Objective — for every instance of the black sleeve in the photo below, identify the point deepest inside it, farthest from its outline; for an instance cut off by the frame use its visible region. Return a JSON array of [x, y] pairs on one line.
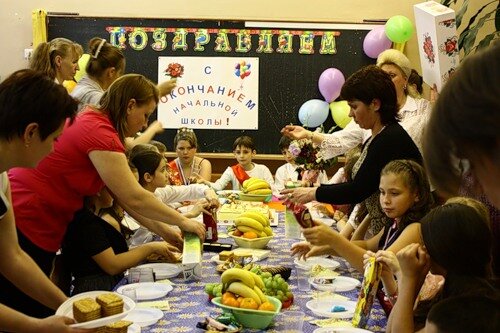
[[392, 143]]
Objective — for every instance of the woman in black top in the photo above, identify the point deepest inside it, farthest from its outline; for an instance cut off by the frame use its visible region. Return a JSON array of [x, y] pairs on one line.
[[372, 98]]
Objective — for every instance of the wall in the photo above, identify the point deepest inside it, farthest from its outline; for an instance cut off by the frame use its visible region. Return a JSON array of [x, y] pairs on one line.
[[15, 16]]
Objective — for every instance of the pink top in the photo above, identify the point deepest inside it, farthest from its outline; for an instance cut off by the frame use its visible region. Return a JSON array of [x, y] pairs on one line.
[[45, 198]]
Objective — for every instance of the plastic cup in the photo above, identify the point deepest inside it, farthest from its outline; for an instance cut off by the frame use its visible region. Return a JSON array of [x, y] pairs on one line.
[[130, 293], [134, 275], [303, 275], [292, 321], [146, 275]]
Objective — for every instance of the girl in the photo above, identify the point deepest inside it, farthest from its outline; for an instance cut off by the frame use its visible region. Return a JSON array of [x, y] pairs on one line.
[[404, 197], [58, 59], [153, 176], [95, 250], [187, 166], [456, 243]]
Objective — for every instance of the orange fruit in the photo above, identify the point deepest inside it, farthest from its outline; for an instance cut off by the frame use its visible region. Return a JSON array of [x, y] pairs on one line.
[[249, 303], [231, 302], [267, 306], [250, 235], [227, 296]]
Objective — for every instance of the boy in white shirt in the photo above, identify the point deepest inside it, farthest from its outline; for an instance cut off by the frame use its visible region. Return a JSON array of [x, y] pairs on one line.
[[244, 151], [287, 171]]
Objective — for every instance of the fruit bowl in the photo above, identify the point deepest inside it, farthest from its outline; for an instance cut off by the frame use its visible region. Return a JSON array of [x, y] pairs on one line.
[[258, 319], [256, 243], [255, 197]]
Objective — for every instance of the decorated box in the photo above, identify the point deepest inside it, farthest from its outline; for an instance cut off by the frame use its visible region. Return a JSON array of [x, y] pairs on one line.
[[192, 257], [367, 293], [437, 42]]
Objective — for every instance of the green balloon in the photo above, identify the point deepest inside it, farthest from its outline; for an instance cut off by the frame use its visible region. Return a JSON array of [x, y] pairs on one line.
[[340, 113], [82, 64], [399, 29]]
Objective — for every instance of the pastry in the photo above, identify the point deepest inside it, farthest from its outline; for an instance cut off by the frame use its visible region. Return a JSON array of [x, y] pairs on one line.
[[110, 304], [86, 309]]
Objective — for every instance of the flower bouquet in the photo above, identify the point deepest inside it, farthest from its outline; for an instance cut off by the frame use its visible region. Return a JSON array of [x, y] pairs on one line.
[[308, 155]]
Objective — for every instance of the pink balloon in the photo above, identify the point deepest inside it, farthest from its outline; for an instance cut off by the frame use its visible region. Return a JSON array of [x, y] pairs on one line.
[[330, 82], [376, 42]]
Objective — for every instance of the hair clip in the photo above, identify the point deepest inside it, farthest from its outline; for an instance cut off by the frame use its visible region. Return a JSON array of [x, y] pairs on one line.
[[185, 129], [99, 49]]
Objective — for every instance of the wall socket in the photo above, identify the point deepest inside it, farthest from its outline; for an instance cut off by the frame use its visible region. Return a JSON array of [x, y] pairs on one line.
[[27, 54]]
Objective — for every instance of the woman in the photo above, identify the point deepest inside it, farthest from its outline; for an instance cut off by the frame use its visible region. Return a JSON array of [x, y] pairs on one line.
[[464, 126], [187, 166], [372, 98], [58, 59], [106, 64], [413, 112], [89, 155], [33, 110]]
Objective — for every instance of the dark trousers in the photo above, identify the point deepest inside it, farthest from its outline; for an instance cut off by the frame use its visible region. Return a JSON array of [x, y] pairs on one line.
[[14, 298]]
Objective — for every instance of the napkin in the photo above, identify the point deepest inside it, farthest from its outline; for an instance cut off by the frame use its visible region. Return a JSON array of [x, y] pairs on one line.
[[162, 305]]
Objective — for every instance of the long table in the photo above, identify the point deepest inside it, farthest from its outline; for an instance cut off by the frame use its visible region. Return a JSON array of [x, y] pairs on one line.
[[189, 304]]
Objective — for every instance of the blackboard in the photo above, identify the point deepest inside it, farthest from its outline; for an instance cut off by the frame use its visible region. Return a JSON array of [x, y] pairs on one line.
[[286, 80]]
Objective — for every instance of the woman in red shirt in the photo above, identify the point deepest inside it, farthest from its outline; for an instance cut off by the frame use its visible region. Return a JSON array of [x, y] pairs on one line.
[[89, 155]]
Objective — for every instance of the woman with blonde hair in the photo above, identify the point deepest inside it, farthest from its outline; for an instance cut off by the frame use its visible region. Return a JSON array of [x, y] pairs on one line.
[[89, 155], [58, 59]]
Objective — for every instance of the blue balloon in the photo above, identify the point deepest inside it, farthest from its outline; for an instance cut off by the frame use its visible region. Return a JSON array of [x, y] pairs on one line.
[[313, 113], [248, 66], [237, 73]]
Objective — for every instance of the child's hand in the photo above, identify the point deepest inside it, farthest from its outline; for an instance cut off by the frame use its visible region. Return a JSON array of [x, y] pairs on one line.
[[390, 263], [199, 207], [156, 127], [320, 234], [300, 249], [414, 261], [166, 87]]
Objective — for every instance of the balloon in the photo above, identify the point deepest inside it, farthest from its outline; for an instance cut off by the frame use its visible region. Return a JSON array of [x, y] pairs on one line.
[[69, 85], [340, 113], [330, 82], [376, 42], [313, 113], [82, 64], [399, 29], [237, 72]]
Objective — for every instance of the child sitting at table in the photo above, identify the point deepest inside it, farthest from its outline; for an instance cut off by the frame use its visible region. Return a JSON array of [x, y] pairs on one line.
[[95, 250], [152, 169], [244, 151]]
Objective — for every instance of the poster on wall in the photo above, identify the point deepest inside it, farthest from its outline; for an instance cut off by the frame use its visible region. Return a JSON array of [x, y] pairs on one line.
[[211, 92]]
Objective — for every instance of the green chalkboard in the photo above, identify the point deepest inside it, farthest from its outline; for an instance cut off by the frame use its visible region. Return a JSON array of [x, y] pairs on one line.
[[286, 80]]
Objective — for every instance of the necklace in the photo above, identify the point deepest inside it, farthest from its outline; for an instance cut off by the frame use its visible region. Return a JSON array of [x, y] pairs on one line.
[[391, 234], [184, 179]]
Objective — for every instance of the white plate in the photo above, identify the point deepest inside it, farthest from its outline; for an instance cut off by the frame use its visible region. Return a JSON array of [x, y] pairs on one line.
[[215, 260], [340, 330], [148, 290], [340, 283], [315, 215], [66, 309], [134, 328], [144, 316], [322, 308], [324, 262], [163, 270]]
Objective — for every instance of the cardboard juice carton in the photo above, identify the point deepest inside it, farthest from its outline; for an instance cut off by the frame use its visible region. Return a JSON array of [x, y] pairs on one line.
[[192, 256], [437, 42], [367, 293]]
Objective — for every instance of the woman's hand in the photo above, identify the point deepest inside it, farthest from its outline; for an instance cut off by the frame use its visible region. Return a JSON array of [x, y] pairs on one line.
[[320, 234], [199, 207], [301, 195], [305, 250], [170, 235], [58, 324], [156, 127], [213, 198], [295, 132], [194, 227]]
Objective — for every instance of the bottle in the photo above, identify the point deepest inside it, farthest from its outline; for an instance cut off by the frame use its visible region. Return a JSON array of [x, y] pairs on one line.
[[210, 222]]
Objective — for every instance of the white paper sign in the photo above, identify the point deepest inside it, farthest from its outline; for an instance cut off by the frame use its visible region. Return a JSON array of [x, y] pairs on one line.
[[211, 92]]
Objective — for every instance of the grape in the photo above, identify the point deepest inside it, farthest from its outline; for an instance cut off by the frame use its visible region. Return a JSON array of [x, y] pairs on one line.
[[280, 293], [277, 277], [209, 287], [289, 294]]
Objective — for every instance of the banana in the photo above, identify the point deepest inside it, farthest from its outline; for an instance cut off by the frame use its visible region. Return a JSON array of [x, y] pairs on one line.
[[262, 234], [258, 281], [260, 184], [244, 229], [258, 291], [268, 231], [250, 181], [248, 222], [238, 274], [262, 191], [256, 215], [244, 291]]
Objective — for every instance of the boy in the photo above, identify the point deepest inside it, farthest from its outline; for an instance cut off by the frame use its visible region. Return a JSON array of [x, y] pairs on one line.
[[289, 170], [244, 151]]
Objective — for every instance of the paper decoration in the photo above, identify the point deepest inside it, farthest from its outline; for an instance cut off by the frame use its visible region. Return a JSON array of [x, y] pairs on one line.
[[201, 37], [138, 39], [285, 41], [179, 41], [306, 43], [222, 42], [160, 40], [265, 41], [243, 41]]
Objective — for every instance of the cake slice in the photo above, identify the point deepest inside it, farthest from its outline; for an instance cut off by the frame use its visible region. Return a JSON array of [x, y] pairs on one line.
[[86, 309], [118, 327], [111, 304]]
